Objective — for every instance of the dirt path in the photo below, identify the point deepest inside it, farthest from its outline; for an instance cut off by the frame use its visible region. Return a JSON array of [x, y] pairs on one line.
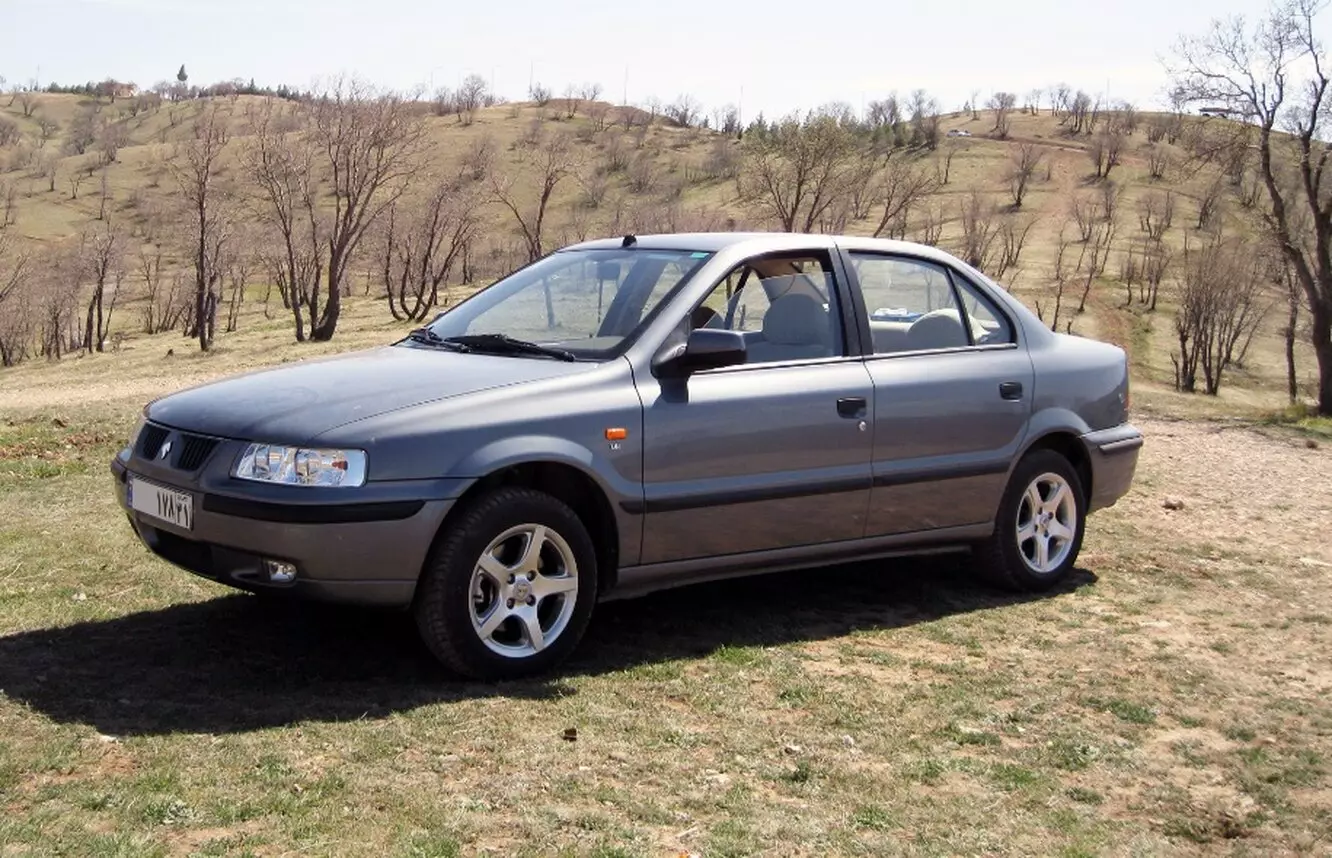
[[1241, 485]]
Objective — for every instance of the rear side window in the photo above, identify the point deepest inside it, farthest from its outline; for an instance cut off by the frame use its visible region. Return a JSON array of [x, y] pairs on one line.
[[916, 305]]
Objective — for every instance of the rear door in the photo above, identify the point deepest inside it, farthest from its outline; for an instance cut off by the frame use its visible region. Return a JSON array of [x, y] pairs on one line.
[[952, 393], [772, 454]]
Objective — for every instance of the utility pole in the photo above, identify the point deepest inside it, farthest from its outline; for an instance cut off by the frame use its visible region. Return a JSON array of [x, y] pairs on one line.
[[625, 102]]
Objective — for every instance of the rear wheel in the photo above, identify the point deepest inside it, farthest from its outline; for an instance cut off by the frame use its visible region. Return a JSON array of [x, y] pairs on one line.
[[510, 587], [1038, 532]]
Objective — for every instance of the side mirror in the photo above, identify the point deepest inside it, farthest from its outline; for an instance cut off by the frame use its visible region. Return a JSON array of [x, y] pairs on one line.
[[706, 348]]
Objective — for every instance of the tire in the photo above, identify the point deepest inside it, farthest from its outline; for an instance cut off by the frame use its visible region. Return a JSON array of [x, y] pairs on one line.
[[516, 613], [1016, 563]]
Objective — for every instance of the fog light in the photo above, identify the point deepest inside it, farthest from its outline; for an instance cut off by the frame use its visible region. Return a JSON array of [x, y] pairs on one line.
[[279, 572]]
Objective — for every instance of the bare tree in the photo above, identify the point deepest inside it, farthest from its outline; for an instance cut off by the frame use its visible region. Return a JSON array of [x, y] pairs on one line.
[[1157, 263], [1209, 203], [978, 230], [46, 129], [539, 94], [9, 132], [1002, 104], [552, 160], [905, 182], [1105, 151], [1111, 195], [684, 111], [1156, 213], [1220, 305], [1023, 163], [1093, 257], [1013, 232], [573, 99], [950, 150], [370, 146], [1285, 277], [422, 248], [1059, 278], [931, 227], [239, 266], [795, 173], [599, 112], [197, 171], [16, 301], [1083, 211], [924, 120], [101, 258], [445, 102], [162, 308], [1158, 161], [1277, 71], [472, 96], [479, 157], [27, 99], [1078, 114], [282, 165]]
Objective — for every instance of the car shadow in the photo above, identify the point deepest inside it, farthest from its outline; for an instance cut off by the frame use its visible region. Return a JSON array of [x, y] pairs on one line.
[[238, 663]]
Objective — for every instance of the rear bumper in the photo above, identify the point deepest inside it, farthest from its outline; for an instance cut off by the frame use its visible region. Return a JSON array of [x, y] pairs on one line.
[[1113, 454], [367, 553]]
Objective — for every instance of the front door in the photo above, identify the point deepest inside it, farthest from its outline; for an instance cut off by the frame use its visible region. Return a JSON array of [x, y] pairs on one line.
[[771, 454]]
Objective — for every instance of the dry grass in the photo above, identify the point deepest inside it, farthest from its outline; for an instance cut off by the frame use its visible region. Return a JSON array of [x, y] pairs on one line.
[[1172, 698]]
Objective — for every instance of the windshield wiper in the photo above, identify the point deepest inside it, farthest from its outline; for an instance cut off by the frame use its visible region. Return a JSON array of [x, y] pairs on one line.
[[505, 344], [428, 337]]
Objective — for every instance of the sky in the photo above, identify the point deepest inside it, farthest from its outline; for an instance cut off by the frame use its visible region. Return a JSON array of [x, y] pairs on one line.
[[773, 56]]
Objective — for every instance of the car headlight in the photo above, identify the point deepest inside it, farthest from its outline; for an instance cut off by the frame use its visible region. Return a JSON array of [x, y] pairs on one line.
[[298, 466]]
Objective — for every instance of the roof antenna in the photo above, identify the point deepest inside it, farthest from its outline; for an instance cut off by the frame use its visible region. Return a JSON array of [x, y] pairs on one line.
[[629, 241]]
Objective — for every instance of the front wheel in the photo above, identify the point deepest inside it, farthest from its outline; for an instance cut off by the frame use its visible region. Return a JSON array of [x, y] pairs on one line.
[[510, 587], [1038, 532]]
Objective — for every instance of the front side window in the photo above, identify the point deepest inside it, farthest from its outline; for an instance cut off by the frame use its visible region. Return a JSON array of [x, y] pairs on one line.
[[916, 305], [786, 306], [591, 303]]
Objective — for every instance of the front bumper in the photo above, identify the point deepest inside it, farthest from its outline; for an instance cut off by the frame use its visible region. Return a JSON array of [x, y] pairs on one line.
[[1113, 454], [369, 552]]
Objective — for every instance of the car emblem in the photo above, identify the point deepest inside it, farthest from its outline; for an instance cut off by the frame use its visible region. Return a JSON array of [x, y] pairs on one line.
[[165, 451]]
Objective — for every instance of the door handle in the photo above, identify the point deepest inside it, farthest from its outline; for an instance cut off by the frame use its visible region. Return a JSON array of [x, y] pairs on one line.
[[852, 407], [1010, 390]]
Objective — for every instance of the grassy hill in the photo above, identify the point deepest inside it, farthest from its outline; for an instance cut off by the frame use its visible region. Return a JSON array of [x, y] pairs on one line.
[[643, 179], [1168, 700]]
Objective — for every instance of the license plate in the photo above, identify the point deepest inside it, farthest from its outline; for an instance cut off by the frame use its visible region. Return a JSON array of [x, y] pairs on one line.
[[160, 502]]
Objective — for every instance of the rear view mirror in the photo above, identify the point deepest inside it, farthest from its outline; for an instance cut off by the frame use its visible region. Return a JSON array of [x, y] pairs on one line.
[[706, 348]]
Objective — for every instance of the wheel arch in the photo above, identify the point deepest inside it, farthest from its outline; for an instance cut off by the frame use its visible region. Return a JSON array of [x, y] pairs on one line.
[[1068, 444], [564, 475]]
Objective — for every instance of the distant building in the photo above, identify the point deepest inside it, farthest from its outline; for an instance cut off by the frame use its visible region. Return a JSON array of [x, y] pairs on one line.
[[1218, 112], [124, 90]]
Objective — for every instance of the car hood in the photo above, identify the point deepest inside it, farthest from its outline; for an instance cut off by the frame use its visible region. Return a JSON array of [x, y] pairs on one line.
[[294, 403]]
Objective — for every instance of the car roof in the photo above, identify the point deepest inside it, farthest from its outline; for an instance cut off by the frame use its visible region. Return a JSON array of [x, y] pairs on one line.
[[765, 242]]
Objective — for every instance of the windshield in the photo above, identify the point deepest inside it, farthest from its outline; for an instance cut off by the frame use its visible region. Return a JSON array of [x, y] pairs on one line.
[[591, 303]]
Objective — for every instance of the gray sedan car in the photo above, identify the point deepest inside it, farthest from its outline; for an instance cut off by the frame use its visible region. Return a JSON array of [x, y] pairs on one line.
[[630, 414]]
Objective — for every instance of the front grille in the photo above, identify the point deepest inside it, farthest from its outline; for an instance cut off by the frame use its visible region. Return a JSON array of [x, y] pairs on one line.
[[194, 451], [151, 440], [191, 451]]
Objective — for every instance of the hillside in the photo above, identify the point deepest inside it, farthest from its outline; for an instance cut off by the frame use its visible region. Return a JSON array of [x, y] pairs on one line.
[[644, 178]]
